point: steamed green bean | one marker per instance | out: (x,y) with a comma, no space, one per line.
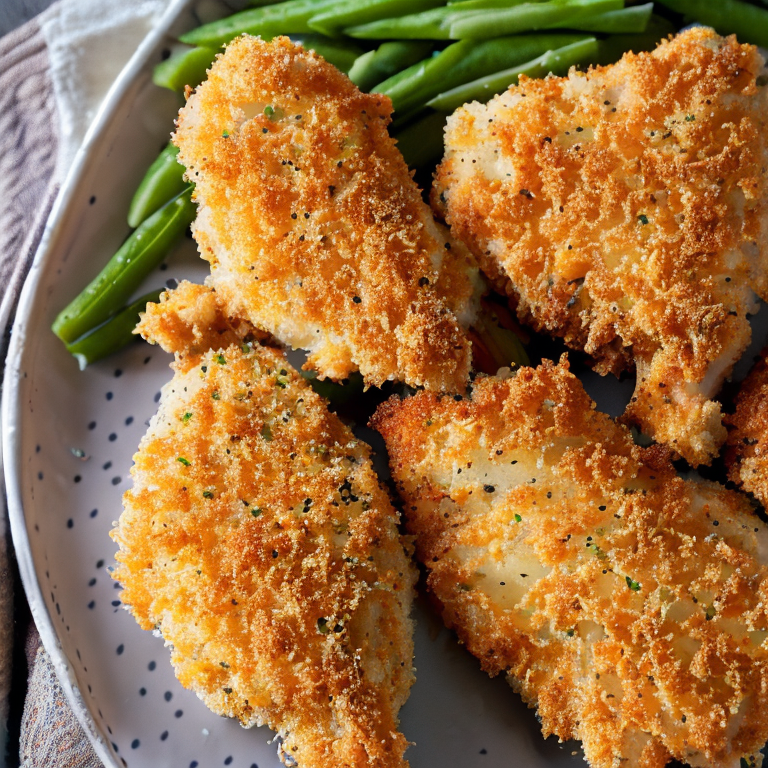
(162,182)
(281,19)
(187,67)
(144,249)
(748,22)
(558,62)
(465,61)
(112,335)
(527,17)
(350,13)
(388,59)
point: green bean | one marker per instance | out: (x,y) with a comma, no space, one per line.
(162,182)
(281,19)
(527,17)
(558,62)
(388,59)
(144,249)
(614,47)
(350,13)
(112,335)
(749,22)
(624,21)
(410,88)
(341,53)
(465,61)
(482,5)
(336,393)
(187,67)
(427,25)
(421,142)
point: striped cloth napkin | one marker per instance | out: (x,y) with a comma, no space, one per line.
(54,72)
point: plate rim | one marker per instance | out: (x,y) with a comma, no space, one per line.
(11,408)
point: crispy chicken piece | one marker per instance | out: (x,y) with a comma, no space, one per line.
(747,453)
(313,226)
(257,541)
(629,605)
(624,209)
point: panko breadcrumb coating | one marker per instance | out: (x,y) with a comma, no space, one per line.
(313,226)
(189,320)
(257,541)
(629,605)
(747,451)
(624,209)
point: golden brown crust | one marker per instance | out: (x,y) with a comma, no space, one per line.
(189,320)
(747,453)
(313,226)
(629,605)
(256,538)
(624,209)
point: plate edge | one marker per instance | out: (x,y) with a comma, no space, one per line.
(11,408)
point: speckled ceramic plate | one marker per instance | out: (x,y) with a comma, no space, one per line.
(68,441)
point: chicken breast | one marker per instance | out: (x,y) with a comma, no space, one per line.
(624,210)
(257,541)
(313,226)
(747,452)
(629,605)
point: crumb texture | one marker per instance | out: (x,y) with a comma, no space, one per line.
(627,604)
(257,541)
(624,210)
(313,226)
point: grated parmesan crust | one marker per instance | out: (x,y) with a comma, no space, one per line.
(624,210)
(628,605)
(313,226)
(257,541)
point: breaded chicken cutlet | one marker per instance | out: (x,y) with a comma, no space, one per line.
(624,210)
(257,541)
(628,605)
(313,226)
(746,454)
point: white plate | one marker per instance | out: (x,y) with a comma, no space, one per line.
(117,677)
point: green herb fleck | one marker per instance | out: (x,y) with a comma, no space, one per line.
(633,585)
(182,460)
(207,494)
(569,632)
(266,433)
(690,118)
(710,613)
(322,626)
(268,111)
(225,133)
(215,395)
(224,664)
(643,219)
(221,360)
(518,518)
(246,348)
(256,511)
(186,417)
